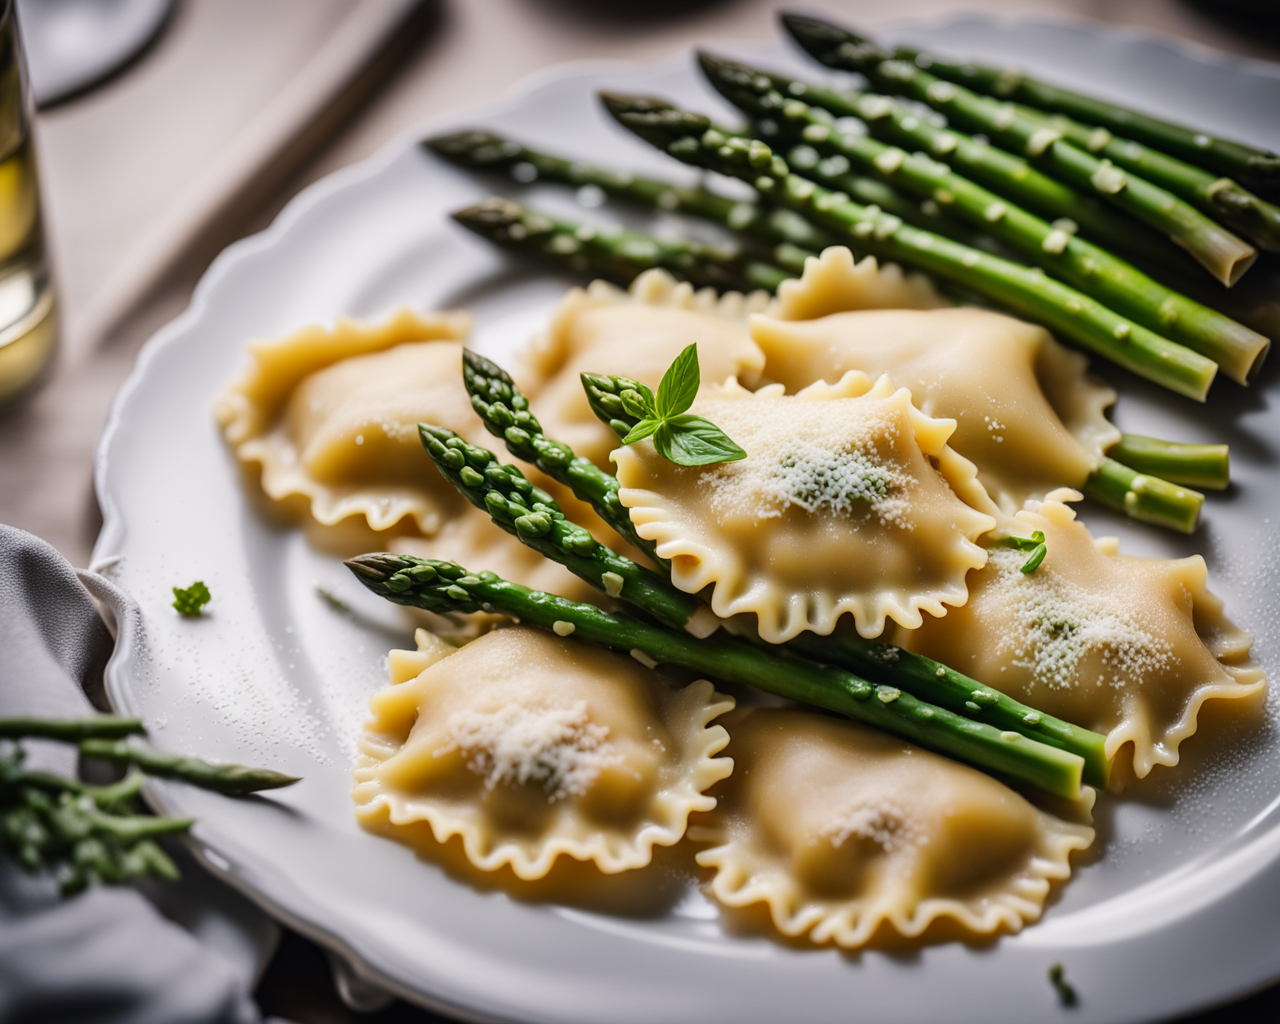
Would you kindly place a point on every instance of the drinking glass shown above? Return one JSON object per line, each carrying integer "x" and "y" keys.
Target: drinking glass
{"x": 28, "y": 321}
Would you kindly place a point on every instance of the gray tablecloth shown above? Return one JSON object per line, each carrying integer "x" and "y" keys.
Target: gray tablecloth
{"x": 108, "y": 954}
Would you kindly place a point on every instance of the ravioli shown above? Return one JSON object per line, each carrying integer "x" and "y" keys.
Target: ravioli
{"x": 1130, "y": 647}
{"x": 331, "y": 418}
{"x": 638, "y": 334}
{"x": 840, "y": 830}
{"x": 849, "y": 501}
{"x": 835, "y": 283}
{"x": 1027, "y": 411}
{"x": 530, "y": 747}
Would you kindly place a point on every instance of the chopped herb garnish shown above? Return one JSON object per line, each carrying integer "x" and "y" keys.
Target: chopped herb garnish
{"x": 678, "y": 435}
{"x": 1035, "y": 544}
{"x": 1066, "y": 994}
{"x": 189, "y": 602}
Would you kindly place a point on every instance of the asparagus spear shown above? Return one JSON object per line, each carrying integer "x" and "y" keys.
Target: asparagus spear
{"x": 768, "y": 226}
{"x": 1194, "y": 465}
{"x": 444, "y": 587}
{"x": 1224, "y": 156}
{"x": 504, "y": 493}
{"x": 72, "y": 730}
{"x": 1218, "y": 197}
{"x": 1026, "y": 291}
{"x": 227, "y": 779}
{"x": 1224, "y": 255}
{"x": 1236, "y": 348}
{"x": 620, "y": 255}
{"x": 505, "y": 414}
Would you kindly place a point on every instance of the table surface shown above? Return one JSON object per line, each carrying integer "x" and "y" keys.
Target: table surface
{"x": 114, "y": 162}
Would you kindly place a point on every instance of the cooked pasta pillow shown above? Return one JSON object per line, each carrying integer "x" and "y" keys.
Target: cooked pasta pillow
{"x": 1131, "y": 647}
{"x": 330, "y": 415}
{"x": 638, "y": 334}
{"x": 530, "y": 747}
{"x": 1027, "y": 411}
{"x": 835, "y": 283}
{"x": 840, "y": 830}
{"x": 849, "y": 501}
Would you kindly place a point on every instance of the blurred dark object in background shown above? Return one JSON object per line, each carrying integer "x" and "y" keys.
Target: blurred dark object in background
{"x": 630, "y": 12}
{"x": 1248, "y": 17}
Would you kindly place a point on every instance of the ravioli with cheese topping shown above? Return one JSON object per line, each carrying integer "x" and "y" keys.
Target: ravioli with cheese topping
{"x": 1028, "y": 413}
{"x": 1130, "y": 647}
{"x": 849, "y": 501}
{"x": 530, "y": 747}
{"x": 840, "y": 830}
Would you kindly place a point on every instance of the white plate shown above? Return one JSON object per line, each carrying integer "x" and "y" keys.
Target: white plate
{"x": 1181, "y": 910}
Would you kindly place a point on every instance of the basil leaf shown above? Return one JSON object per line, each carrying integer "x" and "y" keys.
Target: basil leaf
{"x": 641, "y": 430}
{"x": 679, "y": 384}
{"x": 690, "y": 440}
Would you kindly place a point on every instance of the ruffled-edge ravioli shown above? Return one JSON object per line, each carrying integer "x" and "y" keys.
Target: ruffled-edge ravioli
{"x": 834, "y": 283}
{"x": 330, "y": 415}
{"x": 1028, "y": 413}
{"x": 635, "y": 333}
{"x": 1131, "y": 647}
{"x": 849, "y": 500}
{"x": 531, "y": 747}
{"x": 840, "y": 830}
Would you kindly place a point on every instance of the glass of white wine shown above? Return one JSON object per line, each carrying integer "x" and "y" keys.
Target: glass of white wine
{"x": 28, "y": 321}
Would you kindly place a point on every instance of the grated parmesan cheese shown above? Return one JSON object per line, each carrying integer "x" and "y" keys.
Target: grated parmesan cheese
{"x": 557, "y": 747}
{"x": 1058, "y": 625}
{"x": 885, "y": 824}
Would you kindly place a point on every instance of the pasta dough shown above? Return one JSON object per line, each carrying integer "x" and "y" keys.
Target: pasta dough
{"x": 834, "y": 283}
{"x": 840, "y": 830}
{"x": 837, "y": 508}
{"x": 636, "y": 334}
{"x": 331, "y": 418}
{"x": 530, "y": 747}
{"x": 1131, "y": 647}
{"x": 1027, "y": 411}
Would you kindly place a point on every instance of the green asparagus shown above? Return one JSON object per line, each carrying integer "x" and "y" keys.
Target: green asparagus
{"x": 1224, "y": 255}
{"x": 504, "y": 493}
{"x": 505, "y": 414}
{"x": 70, "y": 730}
{"x": 768, "y": 226}
{"x": 1247, "y": 163}
{"x": 444, "y": 587}
{"x": 1193, "y": 465}
{"x": 1026, "y": 291}
{"x": 227, "y": 779}
{"x": 1218, "y": 197}
{"x": 1237, "y": 349}
{"x": 619, "y": 255}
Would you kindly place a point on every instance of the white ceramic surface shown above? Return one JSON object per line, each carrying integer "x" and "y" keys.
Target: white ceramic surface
{"x": 1181, "y": 909}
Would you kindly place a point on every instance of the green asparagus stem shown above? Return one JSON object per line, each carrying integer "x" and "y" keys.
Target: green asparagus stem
{"x": 1094, "y": 271}
{"x": 503, "y": 493}
{"x": 1145, "y": 497}
{"x": 533, "y": 516}
{"x": 1224, "y": 255}
{"x": 505, "y": 414}
{"x": 444, "y": 587}
{"x": 227, "y": 779}
{"x": 1218, "y": 197}
{"x": 99, "y": 727}
{"x": 1193, "y": 465}
{"x": 1026, "y": 291}
{"x": 768, "y": 226}
{"x": 1246, "y": 163}
{"x": 616, "y": 254}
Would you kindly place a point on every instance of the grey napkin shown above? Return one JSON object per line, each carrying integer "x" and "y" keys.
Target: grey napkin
{"x": 107, "y": 955}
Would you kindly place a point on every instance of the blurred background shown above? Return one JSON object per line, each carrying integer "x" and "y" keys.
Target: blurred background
{"x": 167, "y": 130}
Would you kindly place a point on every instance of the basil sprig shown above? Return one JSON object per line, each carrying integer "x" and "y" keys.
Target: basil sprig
{"x": 678, "y": 435}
